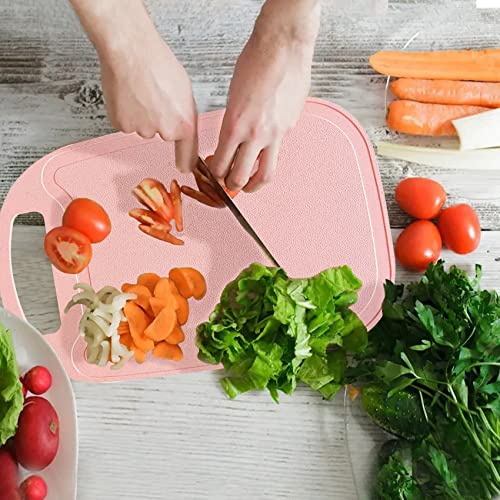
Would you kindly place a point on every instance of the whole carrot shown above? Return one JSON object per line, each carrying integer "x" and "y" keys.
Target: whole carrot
{"x": 477, "y": 65}
{"x": 448, "y": 92}
{"x": 418, "y": 118}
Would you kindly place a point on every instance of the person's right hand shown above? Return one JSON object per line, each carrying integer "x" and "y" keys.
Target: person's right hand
{"x": 148, "y": 91}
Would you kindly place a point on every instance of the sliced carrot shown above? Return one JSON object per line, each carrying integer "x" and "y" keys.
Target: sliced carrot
{"x": 159, "y": 303}
{"x": 165, "y": 288}
{"x": 143, "y": 296}
{"x": 126, "y": 287}
{"x": 176, "y": 336}
{"x": 198, "y": 283}
{"x": 181, "y": 281}
{"x": 149, "y": 280}
{"x": 139, "y": 354}
{"x": 168, "y": 351}
{"x": 126, "y": 340}
{"x": 448, "y": 92}
{"x": 417, "y": 118}
{"x": 138, "y": 321}
{"x": 123, "y": 328}
{"x": 175, "y": 193}
{"x": 162, "y": 325}
{"x": 181, "y": 309}
{"x": 477, "y": 65}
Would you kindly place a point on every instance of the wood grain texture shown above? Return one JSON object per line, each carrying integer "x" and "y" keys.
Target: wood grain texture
{"x": 179, "y": 437}
{"x": 50, "y": 96}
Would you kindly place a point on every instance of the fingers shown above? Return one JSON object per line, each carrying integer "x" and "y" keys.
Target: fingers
{"x": 225, "y": 153}
{"x": 245, "y": 160}
{"x": 186, "y": 154}
{"x": 266, "y": 169}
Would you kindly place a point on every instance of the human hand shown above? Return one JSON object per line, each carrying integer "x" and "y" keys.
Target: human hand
{"x": 145, "y": 87}
{"x": 267, "y": 93}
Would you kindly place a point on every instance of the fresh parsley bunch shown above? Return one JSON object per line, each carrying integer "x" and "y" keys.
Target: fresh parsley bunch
{"x": 432, "y": 370}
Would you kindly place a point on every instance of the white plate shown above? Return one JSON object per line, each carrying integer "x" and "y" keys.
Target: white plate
{"x": 31, "y": 350}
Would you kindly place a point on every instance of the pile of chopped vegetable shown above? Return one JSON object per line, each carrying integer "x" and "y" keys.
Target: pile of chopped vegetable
{"x": 432, "y": 375}
{"x": 11, "y": 396}
{"x": 99, "y": 324}
{"x": 270, "y": 331}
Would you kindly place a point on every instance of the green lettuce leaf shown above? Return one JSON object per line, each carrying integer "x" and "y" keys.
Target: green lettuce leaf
{"x": 270, "y": 331}
{"x": 11, "y": 397}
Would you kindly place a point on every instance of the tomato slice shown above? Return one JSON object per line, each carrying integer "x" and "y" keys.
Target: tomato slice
{"x": 68, "y": 250}
{"x": 153, "y": 195}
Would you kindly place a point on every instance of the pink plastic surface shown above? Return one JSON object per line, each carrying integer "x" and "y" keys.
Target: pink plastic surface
{"x": 325, "y": 208}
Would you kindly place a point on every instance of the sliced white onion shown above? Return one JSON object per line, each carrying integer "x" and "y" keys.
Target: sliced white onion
{"x": 104, "y": 355}
{"x": 123, "y": 361}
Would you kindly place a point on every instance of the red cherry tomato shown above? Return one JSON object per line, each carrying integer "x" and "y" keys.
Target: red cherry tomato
{"x": 68, "y": 249}
{"x": 418, "y": 245}
{"x": 89, "y": 218}
{"x": 422, "y": 198}
{"x": 460, "y": 228}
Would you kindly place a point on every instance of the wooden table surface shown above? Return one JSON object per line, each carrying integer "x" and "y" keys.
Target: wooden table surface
{"x": 179, "y": 437}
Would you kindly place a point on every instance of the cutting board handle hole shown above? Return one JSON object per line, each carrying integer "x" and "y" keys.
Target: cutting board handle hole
{"x": 38, "y": 301}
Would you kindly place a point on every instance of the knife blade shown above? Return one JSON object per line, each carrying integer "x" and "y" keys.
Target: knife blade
{"x": 234, "y": 209}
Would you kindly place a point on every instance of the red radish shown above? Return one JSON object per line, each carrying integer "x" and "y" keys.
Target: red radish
{"x": 38, "y": 380}
{"x": 37, "y": 437}
{"x": 8, "y": 471}
{"x": 34, "y": 488}
{"x": 23, "y": 387}
{"x": 11, "y": 493}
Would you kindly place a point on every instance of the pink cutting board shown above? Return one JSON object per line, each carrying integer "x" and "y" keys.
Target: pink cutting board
{"x": 325, "y": 208}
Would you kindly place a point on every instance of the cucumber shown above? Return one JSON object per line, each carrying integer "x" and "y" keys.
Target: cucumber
{"x": 401, "y": 414}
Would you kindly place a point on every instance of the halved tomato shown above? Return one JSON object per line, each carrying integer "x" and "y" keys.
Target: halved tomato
{"x": 68, "y": 250}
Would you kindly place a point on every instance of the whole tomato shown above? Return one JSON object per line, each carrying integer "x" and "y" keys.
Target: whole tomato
{"x": 460, "y": 228}
{"x": 88, "y": 217}
{"x": 422, "y": 198}
{"x": 418, "y": 245}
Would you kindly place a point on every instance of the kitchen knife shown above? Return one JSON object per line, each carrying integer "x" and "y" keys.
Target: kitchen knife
{"x": 203, "y": 167}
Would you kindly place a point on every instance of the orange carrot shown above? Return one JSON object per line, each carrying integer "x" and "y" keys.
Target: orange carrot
{"x": 181, "y": 281}
{"x": 123, "y": 328}
{"x": 168, "y": 351}
{"x": 158, "y": 304}
{"x": 417, "y": 118}
{"x": 175, "y": 193}
{"x": 162, "y": 325}
{"x": 139, "y": 354}
{"x": 182, "y": 309}
{"x": 196, "y": 280}
{"x": 448, "y": 92}
{"x": 165, "y": 288}
{"x": 138, "y": 321}
{"x": 126, "y": 287}
{"x": 143, "y": 296}
{"x": 475, "y": 65}
{"x": 176, "y": 336}
{"x": 149, "y": 280}
{"x": 126, "y": 340}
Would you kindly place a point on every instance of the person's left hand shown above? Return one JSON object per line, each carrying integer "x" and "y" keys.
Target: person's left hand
{"x": 267, "y": 93}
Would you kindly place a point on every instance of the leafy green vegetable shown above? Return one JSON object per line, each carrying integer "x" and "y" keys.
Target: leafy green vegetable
{"x": 11, "y": 397}
{"x": 439, "y": 344}
{"x": 270, "y": 331}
